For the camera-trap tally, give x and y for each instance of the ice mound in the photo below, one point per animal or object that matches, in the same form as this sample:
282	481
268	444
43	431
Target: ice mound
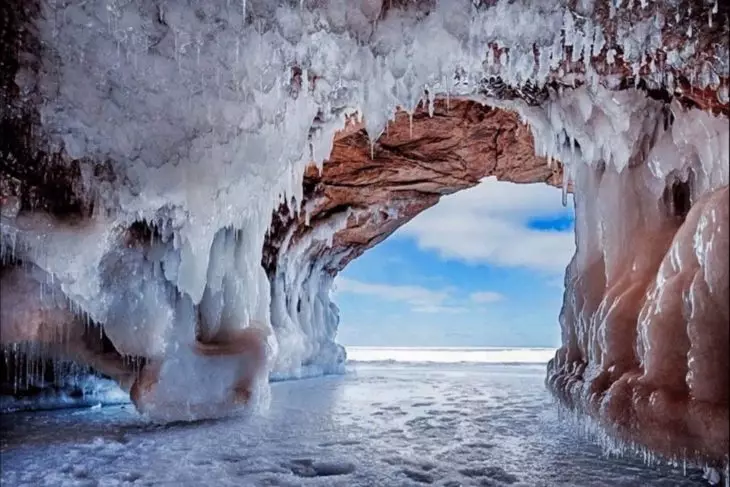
208	380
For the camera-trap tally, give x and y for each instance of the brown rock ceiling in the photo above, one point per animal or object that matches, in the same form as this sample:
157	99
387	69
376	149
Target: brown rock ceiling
407	170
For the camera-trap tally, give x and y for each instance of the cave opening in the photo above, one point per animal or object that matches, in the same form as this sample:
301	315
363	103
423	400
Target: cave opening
454	275
678	197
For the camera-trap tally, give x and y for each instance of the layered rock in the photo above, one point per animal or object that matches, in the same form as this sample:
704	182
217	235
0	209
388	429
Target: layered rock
416	161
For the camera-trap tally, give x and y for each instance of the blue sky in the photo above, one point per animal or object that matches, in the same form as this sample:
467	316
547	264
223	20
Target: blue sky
484	267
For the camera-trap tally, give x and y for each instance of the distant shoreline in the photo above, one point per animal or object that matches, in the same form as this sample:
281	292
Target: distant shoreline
365	347
483	355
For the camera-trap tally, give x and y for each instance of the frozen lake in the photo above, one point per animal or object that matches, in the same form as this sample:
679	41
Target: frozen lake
380	425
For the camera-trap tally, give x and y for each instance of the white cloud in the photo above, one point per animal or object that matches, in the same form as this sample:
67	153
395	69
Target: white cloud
557	282
486	297
489	224
416	296
420	299
440	309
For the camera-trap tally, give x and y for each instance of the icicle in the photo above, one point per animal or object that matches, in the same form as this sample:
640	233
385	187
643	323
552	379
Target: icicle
16	367
712	475
177	54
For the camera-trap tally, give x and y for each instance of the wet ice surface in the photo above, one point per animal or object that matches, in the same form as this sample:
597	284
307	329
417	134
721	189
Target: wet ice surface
381	425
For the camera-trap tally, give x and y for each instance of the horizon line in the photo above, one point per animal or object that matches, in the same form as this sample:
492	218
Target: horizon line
449	348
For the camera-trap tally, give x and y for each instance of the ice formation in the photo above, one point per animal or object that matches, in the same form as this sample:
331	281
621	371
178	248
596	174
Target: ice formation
645	317
188	124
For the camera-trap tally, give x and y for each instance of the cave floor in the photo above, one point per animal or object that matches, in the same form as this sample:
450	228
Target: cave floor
380	425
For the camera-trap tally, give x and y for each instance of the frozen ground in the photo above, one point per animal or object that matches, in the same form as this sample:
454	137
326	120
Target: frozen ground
380	425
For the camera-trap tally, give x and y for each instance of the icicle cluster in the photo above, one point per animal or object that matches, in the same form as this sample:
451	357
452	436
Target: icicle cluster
305	318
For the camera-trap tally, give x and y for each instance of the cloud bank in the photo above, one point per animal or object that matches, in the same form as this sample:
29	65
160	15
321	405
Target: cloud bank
493	223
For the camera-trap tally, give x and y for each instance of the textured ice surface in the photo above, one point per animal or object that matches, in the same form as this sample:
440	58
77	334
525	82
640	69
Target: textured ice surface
394	425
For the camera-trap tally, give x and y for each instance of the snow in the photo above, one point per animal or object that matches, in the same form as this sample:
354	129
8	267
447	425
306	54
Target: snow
195	108
405	425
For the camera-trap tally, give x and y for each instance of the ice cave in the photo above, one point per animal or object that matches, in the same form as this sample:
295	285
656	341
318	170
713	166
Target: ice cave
182	180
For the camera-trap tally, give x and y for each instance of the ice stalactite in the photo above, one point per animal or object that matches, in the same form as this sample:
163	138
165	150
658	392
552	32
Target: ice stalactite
645	317
40	323
304	317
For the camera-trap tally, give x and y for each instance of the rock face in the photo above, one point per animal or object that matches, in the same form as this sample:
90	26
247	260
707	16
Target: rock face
416	161
146	146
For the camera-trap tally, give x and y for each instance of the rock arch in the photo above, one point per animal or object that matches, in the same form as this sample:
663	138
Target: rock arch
140	172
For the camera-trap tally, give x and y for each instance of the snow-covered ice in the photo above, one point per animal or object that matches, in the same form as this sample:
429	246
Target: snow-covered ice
399	424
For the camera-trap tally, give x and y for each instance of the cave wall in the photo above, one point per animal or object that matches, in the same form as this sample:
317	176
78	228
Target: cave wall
645	317
145	157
